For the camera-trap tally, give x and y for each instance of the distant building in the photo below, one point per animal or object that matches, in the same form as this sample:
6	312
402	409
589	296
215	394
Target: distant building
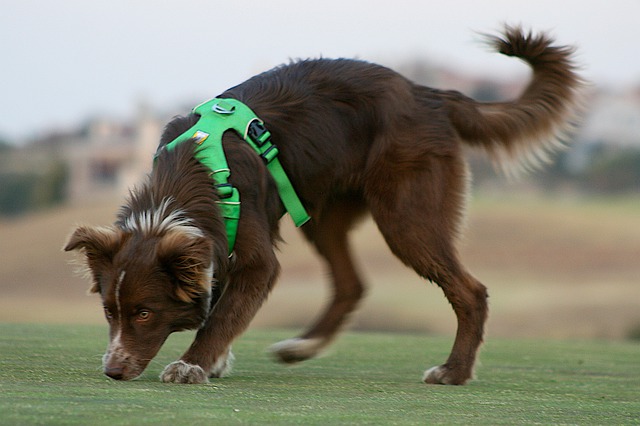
109	158
612	119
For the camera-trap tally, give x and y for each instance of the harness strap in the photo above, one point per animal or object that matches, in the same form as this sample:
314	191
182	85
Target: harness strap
216	117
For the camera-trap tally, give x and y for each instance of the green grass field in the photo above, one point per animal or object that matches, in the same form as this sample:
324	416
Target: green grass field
51	375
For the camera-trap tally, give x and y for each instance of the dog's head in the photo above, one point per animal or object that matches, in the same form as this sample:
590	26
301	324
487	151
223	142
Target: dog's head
151	284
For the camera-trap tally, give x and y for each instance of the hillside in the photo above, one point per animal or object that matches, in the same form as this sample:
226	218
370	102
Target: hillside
554	268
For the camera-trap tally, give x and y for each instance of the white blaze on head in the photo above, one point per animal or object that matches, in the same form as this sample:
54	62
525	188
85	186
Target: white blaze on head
161	220
117	294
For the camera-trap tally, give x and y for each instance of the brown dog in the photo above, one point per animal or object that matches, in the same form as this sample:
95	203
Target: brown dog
353	138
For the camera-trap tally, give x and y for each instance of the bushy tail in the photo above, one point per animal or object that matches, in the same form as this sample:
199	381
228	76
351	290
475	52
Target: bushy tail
525	131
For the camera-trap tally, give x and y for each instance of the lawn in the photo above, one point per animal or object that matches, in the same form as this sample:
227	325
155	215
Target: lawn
51	375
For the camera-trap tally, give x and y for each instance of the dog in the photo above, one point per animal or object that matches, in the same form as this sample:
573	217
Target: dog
354	138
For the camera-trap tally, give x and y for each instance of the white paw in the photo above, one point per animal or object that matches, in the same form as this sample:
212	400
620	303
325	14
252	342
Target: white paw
441	375
434	375
182	372
296	350
223	365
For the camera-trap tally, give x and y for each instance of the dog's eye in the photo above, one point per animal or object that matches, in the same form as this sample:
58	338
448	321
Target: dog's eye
143	316
107	313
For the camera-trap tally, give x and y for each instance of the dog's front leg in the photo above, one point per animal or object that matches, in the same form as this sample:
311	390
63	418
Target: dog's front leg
210	353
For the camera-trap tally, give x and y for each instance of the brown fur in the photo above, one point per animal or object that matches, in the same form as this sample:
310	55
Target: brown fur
354	137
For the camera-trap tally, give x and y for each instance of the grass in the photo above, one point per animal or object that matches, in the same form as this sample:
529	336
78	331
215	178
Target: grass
51	375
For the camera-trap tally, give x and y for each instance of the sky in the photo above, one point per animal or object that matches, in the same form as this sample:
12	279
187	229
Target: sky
66	61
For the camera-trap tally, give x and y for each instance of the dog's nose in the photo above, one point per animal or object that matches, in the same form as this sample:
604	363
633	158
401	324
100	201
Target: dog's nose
116	373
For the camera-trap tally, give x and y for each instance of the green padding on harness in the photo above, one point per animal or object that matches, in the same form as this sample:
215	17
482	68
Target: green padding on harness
216	117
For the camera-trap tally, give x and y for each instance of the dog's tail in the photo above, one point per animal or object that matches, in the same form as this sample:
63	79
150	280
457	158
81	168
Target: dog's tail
523	132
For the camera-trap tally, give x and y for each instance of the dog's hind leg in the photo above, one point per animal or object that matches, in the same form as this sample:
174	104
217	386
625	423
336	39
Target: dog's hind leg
329	235
418	212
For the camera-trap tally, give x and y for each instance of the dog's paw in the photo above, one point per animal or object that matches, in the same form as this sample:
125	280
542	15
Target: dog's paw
223	365
443	375
296	350
182	372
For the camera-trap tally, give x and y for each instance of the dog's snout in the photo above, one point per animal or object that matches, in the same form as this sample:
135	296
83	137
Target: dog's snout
116	373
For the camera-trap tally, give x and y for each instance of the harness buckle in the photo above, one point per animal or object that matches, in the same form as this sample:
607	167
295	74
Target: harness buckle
258	133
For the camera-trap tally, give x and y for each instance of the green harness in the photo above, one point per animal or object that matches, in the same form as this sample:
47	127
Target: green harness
216	117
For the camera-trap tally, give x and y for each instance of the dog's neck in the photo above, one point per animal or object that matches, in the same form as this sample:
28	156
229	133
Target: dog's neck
217	116
178	195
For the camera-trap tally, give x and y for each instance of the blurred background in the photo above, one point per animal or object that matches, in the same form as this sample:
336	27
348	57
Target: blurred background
86	88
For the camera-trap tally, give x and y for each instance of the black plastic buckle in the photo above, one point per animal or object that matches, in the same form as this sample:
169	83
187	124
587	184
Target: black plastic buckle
225	190
258	133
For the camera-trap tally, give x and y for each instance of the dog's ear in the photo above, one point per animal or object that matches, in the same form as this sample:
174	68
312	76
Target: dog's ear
99	245
188	258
